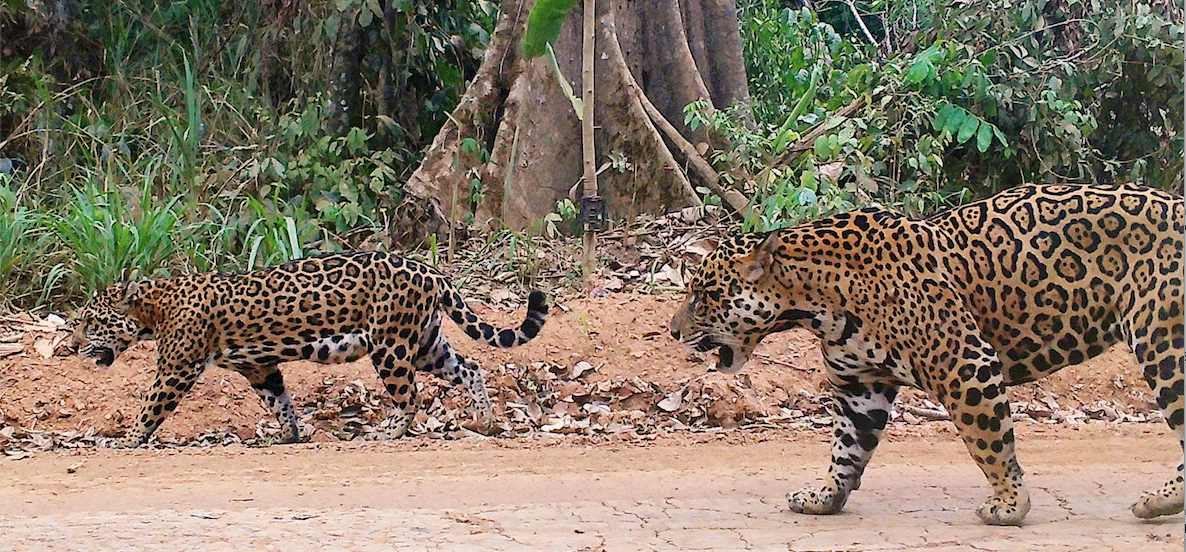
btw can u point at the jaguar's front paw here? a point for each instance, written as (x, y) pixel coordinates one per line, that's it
(998, 511)
(1163, 502)
(399, 426)
(290, 435)
(818, 502)
(129, 442)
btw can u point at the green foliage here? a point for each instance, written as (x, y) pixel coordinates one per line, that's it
(972, 97)
(779, 196)
(788, 53)
(478, 152)
(340, 175)
(543, 25)
(21, 243)
(564, 220)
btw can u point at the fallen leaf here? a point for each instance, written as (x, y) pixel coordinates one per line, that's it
(672, 401)
(580, 368)
(55, 321)
(44, 347)
(535, 412)
(556, 423)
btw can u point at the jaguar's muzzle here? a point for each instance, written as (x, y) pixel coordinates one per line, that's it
(104, 356)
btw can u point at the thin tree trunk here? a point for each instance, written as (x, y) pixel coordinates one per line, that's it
(588, 154)
(345, 102)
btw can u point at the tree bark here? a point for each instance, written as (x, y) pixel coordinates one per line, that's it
(515, 108)
(345, 102)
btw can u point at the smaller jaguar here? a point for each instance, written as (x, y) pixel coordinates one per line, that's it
(329, 309)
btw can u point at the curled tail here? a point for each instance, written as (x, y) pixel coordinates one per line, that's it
(537, 315)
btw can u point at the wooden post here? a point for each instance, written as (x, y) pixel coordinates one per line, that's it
(589, 187)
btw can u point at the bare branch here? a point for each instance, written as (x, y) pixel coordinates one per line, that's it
(852, 6)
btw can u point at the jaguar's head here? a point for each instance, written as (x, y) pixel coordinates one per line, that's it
(731, 302)
(812, 276)
(104, 328)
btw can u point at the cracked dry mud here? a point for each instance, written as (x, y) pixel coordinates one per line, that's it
(717, 491)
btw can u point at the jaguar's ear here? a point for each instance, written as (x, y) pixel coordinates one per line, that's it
(130, 296)
(754, 265)
(697, 251)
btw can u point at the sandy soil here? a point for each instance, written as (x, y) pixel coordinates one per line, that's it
(719, 491)
(650, 484)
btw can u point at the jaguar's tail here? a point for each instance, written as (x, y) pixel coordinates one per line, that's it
(537, 315)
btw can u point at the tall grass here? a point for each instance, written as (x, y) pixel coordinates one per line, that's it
(22, 240)
(110, 240)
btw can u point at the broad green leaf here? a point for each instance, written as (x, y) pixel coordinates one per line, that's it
(919, 70)
(943, 116)
(821, 147)
(955, 120)
(807, 180)
(1000, 136)
(984, 137)
(543, 25)
(967, 129)
(469, 145)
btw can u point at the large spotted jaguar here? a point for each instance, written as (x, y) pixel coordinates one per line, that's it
(328, 309)
(994, 293)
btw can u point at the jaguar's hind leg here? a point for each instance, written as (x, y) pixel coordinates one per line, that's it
(1160, 352)
(439, 357)
(269, 385)
(974, 394)
(395, 369)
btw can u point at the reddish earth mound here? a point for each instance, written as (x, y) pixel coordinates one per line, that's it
(601, 366)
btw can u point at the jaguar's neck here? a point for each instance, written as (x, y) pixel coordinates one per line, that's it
(148, 304)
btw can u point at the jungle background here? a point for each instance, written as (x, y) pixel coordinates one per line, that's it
(158, 138)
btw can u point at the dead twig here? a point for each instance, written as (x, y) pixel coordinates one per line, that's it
(772, 360)
(925, 413)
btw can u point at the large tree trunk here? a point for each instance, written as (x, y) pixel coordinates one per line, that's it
(653, 58)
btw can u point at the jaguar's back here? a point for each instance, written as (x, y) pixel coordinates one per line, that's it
(1056, 274)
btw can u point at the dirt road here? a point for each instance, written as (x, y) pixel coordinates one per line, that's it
(718, 492)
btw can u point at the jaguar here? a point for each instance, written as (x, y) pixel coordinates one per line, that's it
(328, 309)
(962, 304)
